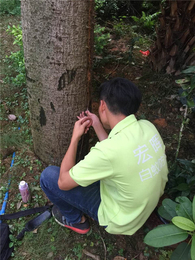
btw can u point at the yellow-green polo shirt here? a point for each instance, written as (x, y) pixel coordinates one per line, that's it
(132, 169)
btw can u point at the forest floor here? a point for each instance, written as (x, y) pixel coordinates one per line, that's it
(161, 105)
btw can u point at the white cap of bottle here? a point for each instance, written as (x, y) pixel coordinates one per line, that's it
(22, 184)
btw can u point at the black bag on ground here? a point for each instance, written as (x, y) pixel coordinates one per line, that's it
(5, 250)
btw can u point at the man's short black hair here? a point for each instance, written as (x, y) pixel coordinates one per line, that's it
(121, 96)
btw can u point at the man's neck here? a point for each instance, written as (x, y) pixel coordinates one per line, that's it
(115, 119)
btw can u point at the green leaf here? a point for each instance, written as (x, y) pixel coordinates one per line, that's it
(163, 213)
(184, 208)
(135, 18)
(191, 69)
(193, 82)
(182, 187)
(193, 209)
(191, 180)
(11, 244)
(182, 252)
(165, 235)
(184, 94)
(184, 223)
(182, 81)
(193, 248)
(186, 87)
(190, 103)
(189, 165)
(35, 188)
(167, 210)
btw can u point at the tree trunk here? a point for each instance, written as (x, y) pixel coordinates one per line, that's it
(175, 43)
(58, 40)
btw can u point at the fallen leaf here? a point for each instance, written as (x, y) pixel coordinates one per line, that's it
(50, 255)
(160, 122)
(95, 257)
(19, 204)
(172, 97)
(35, 231)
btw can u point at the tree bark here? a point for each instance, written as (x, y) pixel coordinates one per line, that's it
(175, 43)
(58, 40)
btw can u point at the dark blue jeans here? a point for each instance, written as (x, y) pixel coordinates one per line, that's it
(72, 203)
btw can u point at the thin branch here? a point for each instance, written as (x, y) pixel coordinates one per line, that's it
(185, 109)
(95, 257)
(105, 250)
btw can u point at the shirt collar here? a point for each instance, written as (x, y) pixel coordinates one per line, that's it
(122, 124)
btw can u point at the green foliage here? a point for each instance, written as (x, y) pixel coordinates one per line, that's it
(101, 39)
(182, 226)
(3, 170)
(99, 4)
(16, 68)
(49, 233)
(106, 8)
(187, 84)
(146, 21)
(78, 251)
(10, 7)
(14, 137)
(16, 65)
(147, 4)
(181, 179)
(111, 9)
(165, 254)
(150, 6)
(17, 32)
(121, 28)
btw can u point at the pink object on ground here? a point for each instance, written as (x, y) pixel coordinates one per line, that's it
(24, 191)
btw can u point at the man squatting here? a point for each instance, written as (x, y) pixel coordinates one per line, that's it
(121, 179)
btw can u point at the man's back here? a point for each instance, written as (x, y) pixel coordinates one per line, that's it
(132, 169)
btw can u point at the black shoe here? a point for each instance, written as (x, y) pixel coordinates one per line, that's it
(81, 228)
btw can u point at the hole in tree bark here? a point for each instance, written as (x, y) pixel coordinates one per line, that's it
(42, 117)
(52, 106)
(66, 79)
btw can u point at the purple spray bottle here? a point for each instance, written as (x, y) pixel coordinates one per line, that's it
(24, 191)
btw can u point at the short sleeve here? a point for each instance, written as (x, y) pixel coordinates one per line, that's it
(94, 167)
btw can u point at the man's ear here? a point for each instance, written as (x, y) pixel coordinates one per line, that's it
(102, 105)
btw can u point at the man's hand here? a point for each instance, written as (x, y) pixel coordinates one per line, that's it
(93, 117)
(97, 125)
(81, 127)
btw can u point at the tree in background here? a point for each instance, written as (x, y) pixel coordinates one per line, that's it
(58, 40)
(175, 44)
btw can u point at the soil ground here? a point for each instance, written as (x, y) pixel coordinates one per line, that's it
(161, 105)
